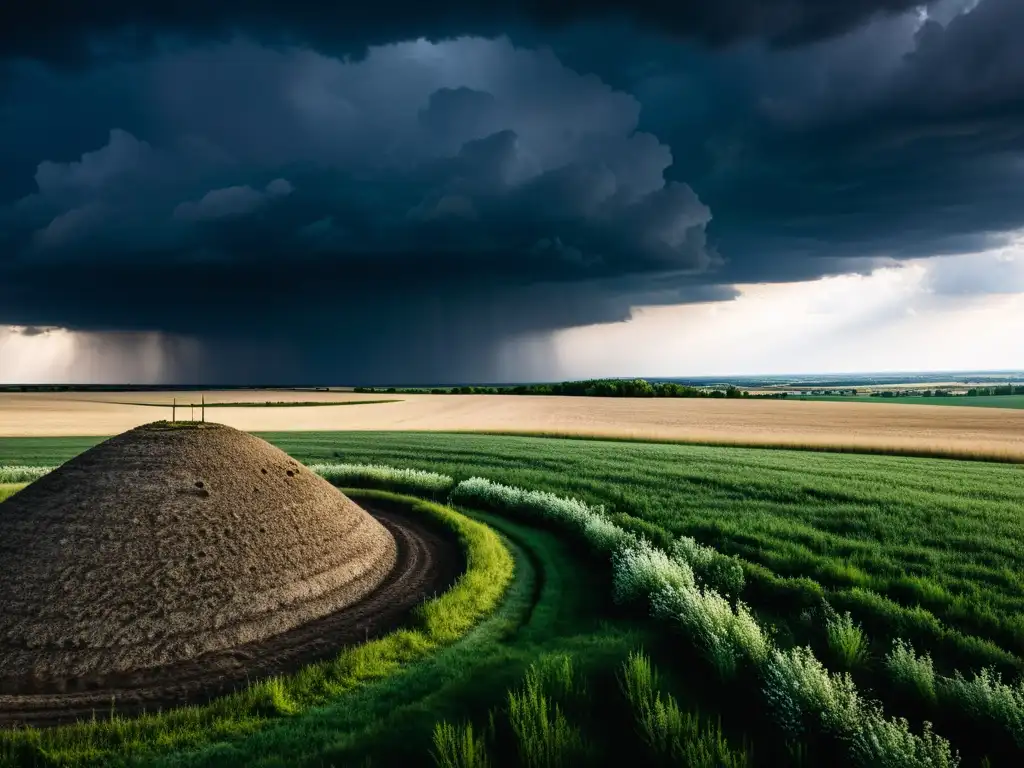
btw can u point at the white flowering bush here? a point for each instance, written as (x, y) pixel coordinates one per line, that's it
(803, 694)
(880, 742)
(19, 474)
(381, 476)
(711, 567)
(589, 522)
(986, 697)
(910, 671)
(727, 636)
(641, 570)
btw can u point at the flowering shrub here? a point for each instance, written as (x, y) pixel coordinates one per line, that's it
(727, 636)
(804, 694)
(879, 742)
(718, 571)
(17, 474)
(986, 697)
(384, 477)
(641, 570)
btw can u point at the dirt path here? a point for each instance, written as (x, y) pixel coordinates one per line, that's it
(429, 561)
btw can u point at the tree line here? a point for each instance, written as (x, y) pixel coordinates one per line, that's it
(588, 388)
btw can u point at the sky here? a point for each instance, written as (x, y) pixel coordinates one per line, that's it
(253, 192)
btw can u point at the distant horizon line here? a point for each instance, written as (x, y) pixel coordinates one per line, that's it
(775, 377)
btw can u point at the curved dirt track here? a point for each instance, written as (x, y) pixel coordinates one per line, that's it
(429, 561)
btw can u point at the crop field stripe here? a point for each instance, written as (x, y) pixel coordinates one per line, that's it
(440, 622)
(952, 528)
(55, 450)
(909, 451)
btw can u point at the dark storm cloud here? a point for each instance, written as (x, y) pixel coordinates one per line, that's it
(438, 198)
(899, 140)
(313, 217)
(70, 33)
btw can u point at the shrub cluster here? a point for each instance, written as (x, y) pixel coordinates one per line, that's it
(382, 477)
(718, 571)
(17, 474)
(987, 698)
(983, 696)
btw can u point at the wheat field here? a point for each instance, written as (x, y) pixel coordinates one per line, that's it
(930, 430)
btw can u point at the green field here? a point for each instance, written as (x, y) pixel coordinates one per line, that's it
(944, 535)
(983, 401)
(929, 551)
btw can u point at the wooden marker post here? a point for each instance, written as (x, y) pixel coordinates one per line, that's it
(174, 409)
(204, 409)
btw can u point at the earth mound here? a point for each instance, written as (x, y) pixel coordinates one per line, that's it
(168, 542)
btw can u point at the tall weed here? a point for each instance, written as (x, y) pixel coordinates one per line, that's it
(672, 736)
(459, 747)
(986, 697)
(846, 640)
(544, 737)
(910, 671)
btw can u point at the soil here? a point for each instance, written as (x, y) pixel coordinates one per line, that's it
(429, 561)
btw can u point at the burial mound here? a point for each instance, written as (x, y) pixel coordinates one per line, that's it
(168, 542)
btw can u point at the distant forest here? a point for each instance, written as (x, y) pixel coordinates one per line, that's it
(590, 388)
(1009, 389)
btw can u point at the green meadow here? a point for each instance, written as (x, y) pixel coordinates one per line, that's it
(848, 555)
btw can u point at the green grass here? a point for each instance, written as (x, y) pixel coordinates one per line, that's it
(982, 401)
(672, 736)
(438, 623)
(9, 489)
(43, 451)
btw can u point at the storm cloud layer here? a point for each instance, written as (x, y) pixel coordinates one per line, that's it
(72, 33)
(316, 195)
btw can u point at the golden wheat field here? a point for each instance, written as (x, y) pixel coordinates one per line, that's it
(997, 433)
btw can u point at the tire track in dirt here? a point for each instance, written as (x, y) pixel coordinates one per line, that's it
(429, 561)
